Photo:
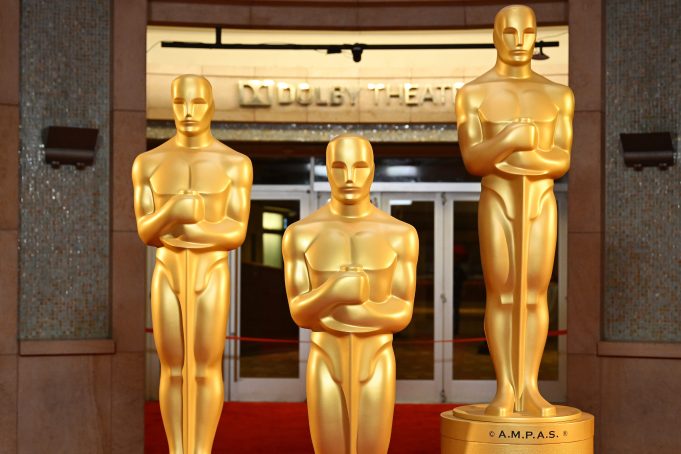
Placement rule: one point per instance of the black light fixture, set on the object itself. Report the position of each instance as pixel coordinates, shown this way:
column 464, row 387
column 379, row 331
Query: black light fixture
column 70, row 146
column 540, row 55
column 357, row 49
column 652, row 149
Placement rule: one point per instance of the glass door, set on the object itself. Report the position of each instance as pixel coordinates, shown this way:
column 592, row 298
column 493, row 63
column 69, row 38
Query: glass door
column 266, row 359
column 417, row 352
column 468, row 369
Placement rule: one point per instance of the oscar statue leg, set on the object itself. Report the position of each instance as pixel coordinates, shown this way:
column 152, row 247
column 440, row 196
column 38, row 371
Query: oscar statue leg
column 325, row 406
column 167, row 320
column 212, row 309
column 540, row 266
column 494, row 229
column 378, row 397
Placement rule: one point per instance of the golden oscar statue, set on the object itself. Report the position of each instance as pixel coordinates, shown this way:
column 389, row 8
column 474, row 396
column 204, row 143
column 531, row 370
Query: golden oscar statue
column 350, row 275
column 515, row 131
column 191, row 198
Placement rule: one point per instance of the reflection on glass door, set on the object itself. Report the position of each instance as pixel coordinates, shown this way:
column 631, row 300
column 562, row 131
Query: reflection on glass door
column 263, row 370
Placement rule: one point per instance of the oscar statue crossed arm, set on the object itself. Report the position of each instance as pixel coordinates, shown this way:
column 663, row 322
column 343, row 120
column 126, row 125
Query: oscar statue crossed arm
column 350, row 274
column 515, row 131
column 192, row 200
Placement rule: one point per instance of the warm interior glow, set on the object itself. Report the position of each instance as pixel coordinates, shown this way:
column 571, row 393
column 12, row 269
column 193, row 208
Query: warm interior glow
column 272, row 221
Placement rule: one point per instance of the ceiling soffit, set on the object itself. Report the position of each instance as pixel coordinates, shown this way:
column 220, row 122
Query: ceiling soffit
column 344, row 14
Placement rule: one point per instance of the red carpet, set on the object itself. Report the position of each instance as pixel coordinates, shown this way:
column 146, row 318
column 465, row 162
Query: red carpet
column 254, row 427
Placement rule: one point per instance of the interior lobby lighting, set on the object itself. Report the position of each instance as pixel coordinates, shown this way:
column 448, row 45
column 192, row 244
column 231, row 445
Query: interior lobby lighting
column 357, row 49
column 272, row 221
column 400, row 202
column 402, row 171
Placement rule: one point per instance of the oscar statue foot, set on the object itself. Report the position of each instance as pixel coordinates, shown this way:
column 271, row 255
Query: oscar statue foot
column 535, row 404
column 502, row 404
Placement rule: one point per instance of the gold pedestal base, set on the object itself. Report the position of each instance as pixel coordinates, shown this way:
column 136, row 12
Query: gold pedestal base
column 467, row 430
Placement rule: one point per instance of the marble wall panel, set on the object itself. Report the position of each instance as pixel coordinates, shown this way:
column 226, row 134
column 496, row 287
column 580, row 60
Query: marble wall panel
column 127, row 404
column 639, row 405
column 8, row 409
column 9, row 273
column 9, row 170
column 642, row 209
column 64, row 234
column 74, row 419
column 9, row 52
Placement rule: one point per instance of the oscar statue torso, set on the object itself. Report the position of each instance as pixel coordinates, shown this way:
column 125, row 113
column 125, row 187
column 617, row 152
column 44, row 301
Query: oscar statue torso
column 521, row 186
column 187, row 172
column 366, row 243
column 502, row 105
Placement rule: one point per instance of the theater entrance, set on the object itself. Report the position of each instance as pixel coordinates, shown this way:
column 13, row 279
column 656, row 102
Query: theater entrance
column 441, row 356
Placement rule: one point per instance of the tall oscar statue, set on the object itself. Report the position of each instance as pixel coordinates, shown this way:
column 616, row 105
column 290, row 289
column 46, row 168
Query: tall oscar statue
column 191, row 198
column 515, row 131
column 350, row 274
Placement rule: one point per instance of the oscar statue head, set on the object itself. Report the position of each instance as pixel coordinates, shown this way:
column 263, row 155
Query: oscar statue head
column 350, row 167
column 193, row 105
column 515, row 31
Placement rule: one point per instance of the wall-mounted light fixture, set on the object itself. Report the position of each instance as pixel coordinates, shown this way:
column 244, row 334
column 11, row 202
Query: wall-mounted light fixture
column 650, row 149
column 70, row 146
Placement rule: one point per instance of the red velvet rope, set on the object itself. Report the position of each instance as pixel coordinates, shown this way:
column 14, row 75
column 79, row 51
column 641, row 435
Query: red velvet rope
column 461, row 340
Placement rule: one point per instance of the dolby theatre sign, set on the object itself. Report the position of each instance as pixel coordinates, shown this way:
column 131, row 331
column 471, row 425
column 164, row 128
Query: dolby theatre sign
column 271, row 93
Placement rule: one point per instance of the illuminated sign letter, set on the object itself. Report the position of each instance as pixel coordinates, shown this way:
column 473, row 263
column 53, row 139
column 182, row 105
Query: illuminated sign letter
column 255, row 93
column 286, row 94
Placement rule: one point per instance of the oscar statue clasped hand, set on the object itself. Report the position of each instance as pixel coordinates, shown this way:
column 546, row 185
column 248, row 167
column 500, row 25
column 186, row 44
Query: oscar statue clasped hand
column 350, row 274
column 515, row 131
column 191, row 197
